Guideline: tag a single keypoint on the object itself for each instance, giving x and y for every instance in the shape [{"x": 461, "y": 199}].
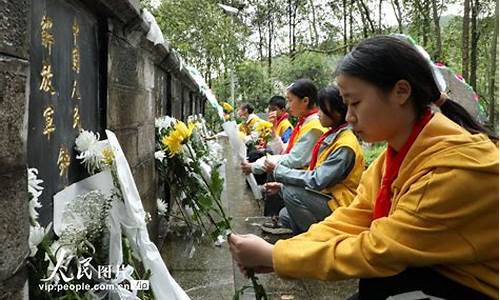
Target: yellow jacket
[
  {"x": 313, "y": 124},
  {"x": 247, "y": 127},
  {"x": 283, "y": 126},
  {"x": 444, "y": 214},
  {"x": 344, "y": 192}
]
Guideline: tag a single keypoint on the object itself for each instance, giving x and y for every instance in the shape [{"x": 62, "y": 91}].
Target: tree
[
  {"x": 380, "y": 16},
  {"x": 254, "y": 84},
  {"x": 270, "y": 33},
  {"x": 314, "y": 25},
  {"x": 203, "y": 34},
  {"x": 344, "y": 15},
  {"x": 398, "y": 12},
  {"x": 492, "y": 69},
  {"x": 465, "y": 40},
  {"x": 473, "y": 45},
  {"x": 437, "y": 29}
]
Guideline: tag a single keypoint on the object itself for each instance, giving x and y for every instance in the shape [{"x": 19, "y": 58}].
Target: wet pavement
[{"x": 207, "y": 272}]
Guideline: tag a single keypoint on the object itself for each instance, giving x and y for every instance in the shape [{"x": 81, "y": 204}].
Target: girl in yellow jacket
[
  {"x": 330, "y": 180},
  {"x": 426, "y": 214}
]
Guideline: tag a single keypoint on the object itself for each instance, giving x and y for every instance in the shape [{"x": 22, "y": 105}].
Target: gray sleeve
[
  {"x": 333, "y": 170},
  {"x": 300, "y": 156}
]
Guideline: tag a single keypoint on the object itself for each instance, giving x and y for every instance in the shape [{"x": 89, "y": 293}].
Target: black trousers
[{"x": 426, "y": 280}]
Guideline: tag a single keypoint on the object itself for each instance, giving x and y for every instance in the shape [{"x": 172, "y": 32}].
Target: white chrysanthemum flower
[
  {"x": 162, "y": 207},
  {"x": 34, "y": 187},
  {"x": 189, "y": 211},
  {"x": 34, "y": 204},
  {"x": 220, "y": 240},
  {"x": 164, "y": 122},
  {"x": 36, "y": 236},
  {"x": 160, "y": 155},
  {"x": 85, "y": 140},
  {"x": 93, "y": 157},
  {"x": 147, "y": 217}
]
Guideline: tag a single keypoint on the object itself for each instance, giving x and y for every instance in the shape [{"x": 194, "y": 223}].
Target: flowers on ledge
[
  {"x": 177, "y": 137},
  {"x": 227, "y": 108},
  {"x": 192, "y": 170},
  {"x": 80, "y": 249}
]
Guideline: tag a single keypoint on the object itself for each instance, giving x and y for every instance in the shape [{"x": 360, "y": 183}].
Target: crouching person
[{"x": 331, "y": 179}]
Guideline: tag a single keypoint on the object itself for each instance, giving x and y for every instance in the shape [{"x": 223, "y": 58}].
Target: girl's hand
[
  {"x": 272, "y": 117},
  {"x": 246, "y": 168},
  {"x": 251, "y": 251},
  {"x": 269, "y": 166},
  {"x": 272, "y": 188}
]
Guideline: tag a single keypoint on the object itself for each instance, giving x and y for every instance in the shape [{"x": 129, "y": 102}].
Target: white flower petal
[
  {"x": 162, "y": 207},
  {"x": 160, "y": 155},
  {"x": 36, "y": 236}
]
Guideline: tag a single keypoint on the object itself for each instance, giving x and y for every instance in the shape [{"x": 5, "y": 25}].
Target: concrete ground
[{"x": 208, "y": 272}]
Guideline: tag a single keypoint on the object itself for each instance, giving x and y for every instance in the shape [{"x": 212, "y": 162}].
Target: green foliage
[
  {"x": 318, "y": 67},
  {"x": 372, "y": 152},
  {"x": 254, "y": 84},
  {"x": 256, "y": 87},
  {"x": 202, "y": 33},
  {"x": 183, "y": 174}
]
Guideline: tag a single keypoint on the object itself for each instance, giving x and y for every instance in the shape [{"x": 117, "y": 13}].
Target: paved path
[{"x": 208, "y": 272}]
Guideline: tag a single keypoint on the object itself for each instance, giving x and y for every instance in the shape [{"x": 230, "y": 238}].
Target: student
[
  {"x": 302, "y": 96},
  {"x": 279, "y": 117},
  {"x": 426, "y": 214},
  {"x": 249, "y": 119},
  {"x": 335, "y": 170}
]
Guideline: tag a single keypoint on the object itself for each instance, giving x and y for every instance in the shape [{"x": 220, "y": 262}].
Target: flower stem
[{"x": 208, "y": 185}]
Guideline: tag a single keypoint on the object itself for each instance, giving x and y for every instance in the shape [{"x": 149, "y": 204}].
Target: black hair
[
  {"x": 384, "y": 60},
  {"x": 330, "y": 101},
  {"x": 305, "y": 88},
  {"x": 278, "y": 101},
  {"x": 248, "y": 107}
]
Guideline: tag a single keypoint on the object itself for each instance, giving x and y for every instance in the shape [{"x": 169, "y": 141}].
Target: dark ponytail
[
  {"x": 458, "y": 114},
  {"x": 304, "y": 88},
  {"x": 330, "y": 101},
  {"x": 384, "y": 60}
]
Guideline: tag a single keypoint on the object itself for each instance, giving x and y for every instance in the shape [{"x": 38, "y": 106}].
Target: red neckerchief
[
  {"x": 281, "y": 118},
  {"x": 314, "y": 157},
  {"x": 393, "y": 162},
  {"x": 296, "y": 129}
]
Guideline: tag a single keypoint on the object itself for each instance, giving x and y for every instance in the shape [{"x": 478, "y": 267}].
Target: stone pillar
[{"x": 14, "y": 70}]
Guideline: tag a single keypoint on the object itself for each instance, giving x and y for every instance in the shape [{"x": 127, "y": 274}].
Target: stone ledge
[{"x": 135, "y": 30}]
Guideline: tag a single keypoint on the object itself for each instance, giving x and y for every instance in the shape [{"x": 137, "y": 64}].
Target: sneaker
[
  {"x": 273, "y": 226},
  {"x": 277, "y": 230},
  {"x": 272, "y": 223}
]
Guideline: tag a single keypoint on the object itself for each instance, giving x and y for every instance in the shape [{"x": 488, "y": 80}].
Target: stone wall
[
  {"x": 138, "y": 81},
  {"x": 143, "y": 81},
  {"x": 14, "y": 70}
]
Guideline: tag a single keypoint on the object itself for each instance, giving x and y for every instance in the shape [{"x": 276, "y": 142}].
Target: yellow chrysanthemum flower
[
  {"x": 193, "y": 124},
  {"x": 184, "y": 131},
  {"x": 228, "y": 108},
  {"x": 264, "y": 129},
  {"x": 108, "y": 155},
  {"x": 172, "y": 143},
  {"x": 181, "y": 133}
]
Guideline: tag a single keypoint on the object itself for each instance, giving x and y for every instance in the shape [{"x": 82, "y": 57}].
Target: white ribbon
[
  {"x": 117, "y": 292},
  {"x": 154, "y": 34},
  {"x": 241, "y": 151},
  {"x": 130, "y": 215}
]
